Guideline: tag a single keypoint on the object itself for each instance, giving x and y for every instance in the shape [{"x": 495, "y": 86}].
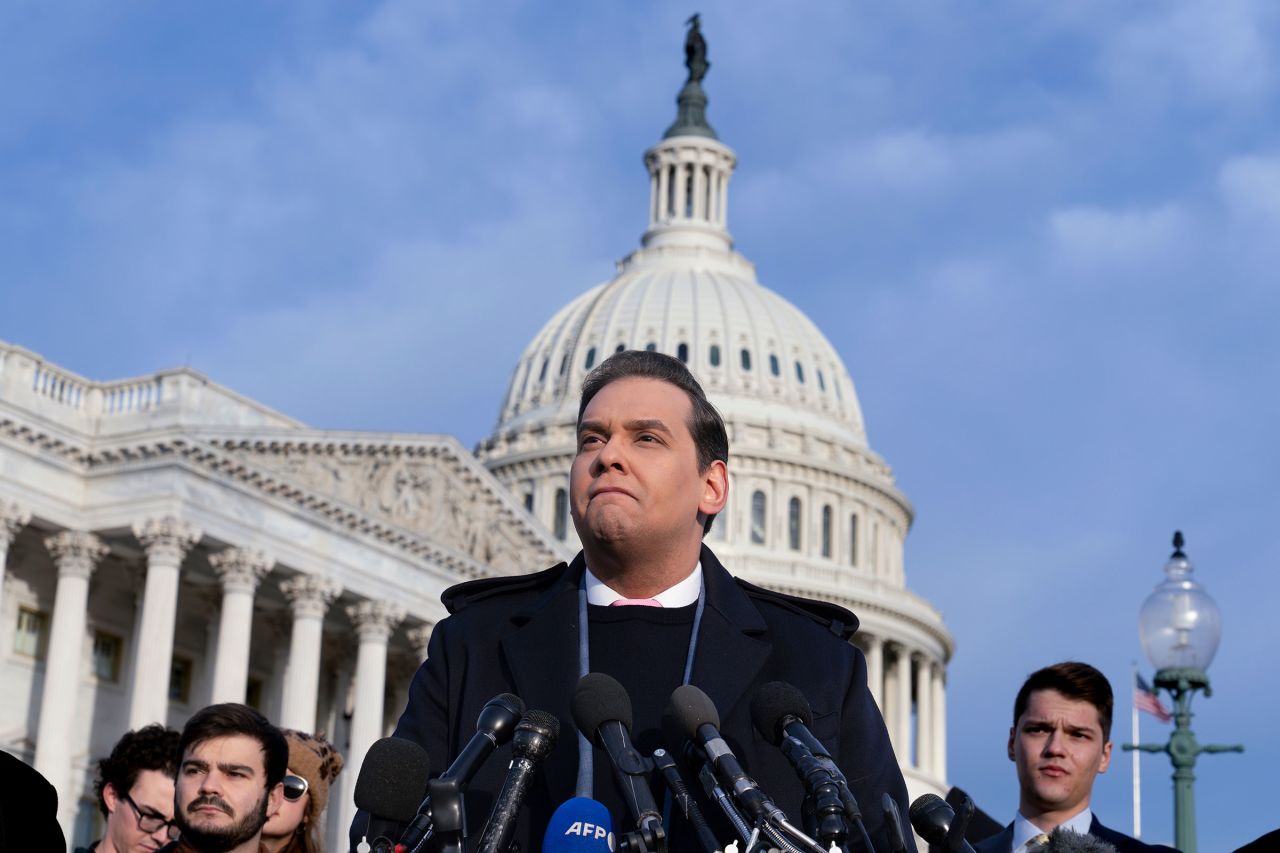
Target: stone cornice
[{"x": 213, "y": 451}]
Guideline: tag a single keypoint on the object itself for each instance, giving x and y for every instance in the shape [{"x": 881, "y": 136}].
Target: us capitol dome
[{"x": 813, "y": 510}]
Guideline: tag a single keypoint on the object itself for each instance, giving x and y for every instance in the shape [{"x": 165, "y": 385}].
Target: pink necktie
[{"x": 636, "y": 602}]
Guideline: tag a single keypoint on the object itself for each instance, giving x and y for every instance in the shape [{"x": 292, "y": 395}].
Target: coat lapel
[{"x": 730, "y": 651}]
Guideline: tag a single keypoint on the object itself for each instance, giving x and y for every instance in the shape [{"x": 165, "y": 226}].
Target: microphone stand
[{"x": 448, "y": 818}]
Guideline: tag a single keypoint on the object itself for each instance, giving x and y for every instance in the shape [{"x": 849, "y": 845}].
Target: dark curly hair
[{"x": 152, "y": 747}]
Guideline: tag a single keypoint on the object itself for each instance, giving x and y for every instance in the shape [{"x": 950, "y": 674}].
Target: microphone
[
  {"x": 579, "y": 825},
  {"x": 893, "y": 824},
  {"x": 535, "y": 737},
  {"x": 683, "y": 800},
  {"x": 602, "y": 711},
  {"x": 934, "y": 821},
  {"x": 781, "y": 715},
  {"x": 442, "y": 809},
  {"x": 392, "y": 777},
  {"x": 694, "y": 711}
]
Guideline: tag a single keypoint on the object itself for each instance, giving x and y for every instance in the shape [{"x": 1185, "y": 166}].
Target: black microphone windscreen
[
  {"x": 1063, "y": 840},
  {"x": 692, "y": 709},
  {"x": 535, "y": 735},
  {"x": 393, "y": 779},
  {"x": 597, "y": 699},
  {"x": 931, "y": 818},
  {"x": 772, "y": 703}
]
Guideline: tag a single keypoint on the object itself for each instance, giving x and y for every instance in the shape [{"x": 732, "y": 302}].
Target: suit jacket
[
  {"x": 1002, "y": 842},
  {"x": 28, "y": 809},
  {"x": 520, "y": 635}
]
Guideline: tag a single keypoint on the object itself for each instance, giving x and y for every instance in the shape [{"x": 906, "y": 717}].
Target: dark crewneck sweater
[{"x": 644, "y": 648}]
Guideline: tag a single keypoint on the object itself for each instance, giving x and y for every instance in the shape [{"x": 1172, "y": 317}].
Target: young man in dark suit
[{"x": 1060, "y": 741}]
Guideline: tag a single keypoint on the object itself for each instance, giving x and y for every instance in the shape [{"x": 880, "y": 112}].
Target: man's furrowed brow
[
  {"x": 652, "y": 424},
  {"x": 229, "y": 767},
  {"x": 195, "y": 764},
  {"x": 590, "y": 426}
]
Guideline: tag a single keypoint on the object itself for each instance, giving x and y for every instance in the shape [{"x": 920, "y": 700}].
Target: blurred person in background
[
  {"x": 297, "y": 827},
  {"x": 135, "y": 792}
]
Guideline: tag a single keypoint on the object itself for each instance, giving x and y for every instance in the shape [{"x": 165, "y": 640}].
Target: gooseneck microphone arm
[{"x": 683, "y": 800}]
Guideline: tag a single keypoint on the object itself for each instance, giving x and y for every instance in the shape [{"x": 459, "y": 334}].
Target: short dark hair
[
  {"x": 232, "y": 718},
  {"x": 710, "y": 439},
  {"x": 152, "y": 747},
  {"x": 1074, "y": 680}
]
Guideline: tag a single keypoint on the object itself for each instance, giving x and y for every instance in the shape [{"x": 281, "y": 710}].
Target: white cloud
[
  {"x": 1250, "y": 189},
  {"x": 1098, "y": 236}
]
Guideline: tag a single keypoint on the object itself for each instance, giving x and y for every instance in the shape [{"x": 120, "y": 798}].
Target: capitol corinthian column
[
  {"x": 167, "y": 541},
  {"x": 76, "y": 555},
  {"x": 374, "y": 621},
  {"x": 240, "y": 570},
  {"x": 12, "y": 519},
  {"x": 939, "y": 722},
  {"x": 924, "y": 714},
  {"x": 875, "y": 669},
  {"x": 420, "y": 638},
  {"x": 901, "y": 728},
  {"x": 309, "y": 596}
]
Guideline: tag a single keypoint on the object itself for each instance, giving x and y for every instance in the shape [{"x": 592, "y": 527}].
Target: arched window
[
  {"x": 853, "y": 539},
  {"x": 715, "y": 355},
  {"x": 746, "y": 359},
  {"x": 793, "y": 524},
  {"x": 562, "y": 514},
  {"x": 800, "y": 373},
  {"x": 591, "y": 359},
  {"x": 619, "y": 348},
  {"x": 682, "y": 353},
  {"x": 528, "y": 501},
  {"x": 651, "y": 347},
  {"x": 757, "y": 518},
  {"x": 542, "y": 374},
  {"x": 826, "y": 531},
  {"x": 564, "y": 364},
  {"x": 774, "y": 367},
  {"x": 822, "y": 386}
]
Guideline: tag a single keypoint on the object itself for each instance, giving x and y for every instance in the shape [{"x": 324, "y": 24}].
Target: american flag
[{"x": 1145, "y": 699}]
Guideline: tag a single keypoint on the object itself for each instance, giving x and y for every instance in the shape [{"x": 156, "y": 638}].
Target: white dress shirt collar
[
  {"x": 681, "y": 595},
  {"x": 1024, "y": 830}
]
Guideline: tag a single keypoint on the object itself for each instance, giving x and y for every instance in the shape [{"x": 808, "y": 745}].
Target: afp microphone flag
[{"x": 580, "y": 825}]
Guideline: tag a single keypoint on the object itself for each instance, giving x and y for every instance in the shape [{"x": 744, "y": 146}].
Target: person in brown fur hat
[{"x": 297, "y": 826}]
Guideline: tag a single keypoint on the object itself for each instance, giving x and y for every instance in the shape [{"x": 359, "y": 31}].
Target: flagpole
[{"x": 1137, "y": 772}]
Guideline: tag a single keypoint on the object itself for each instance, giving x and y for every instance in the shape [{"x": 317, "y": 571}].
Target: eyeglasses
[
  {"x": 294, "y": 787},
  {"x": 151, "y": 822}
]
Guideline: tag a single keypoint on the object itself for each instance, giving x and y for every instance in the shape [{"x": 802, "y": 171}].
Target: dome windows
[
  {"x": 591, "y": 359},
  {"x": 853, "y": 539},
  {"x": 746, "y": 359},
  {"x": 826, "y": 531},
  {"x": 822, "y": 385},
  {"x": 757, "y": 518},
  {"x": 799, "y": 372},
  {"x": 793, "y": 524},
  {"x": 619, "y": 348},
  {"x": 715, "y": 355},
  {"x": 561, "y": 526},
  {"x": 542, "y": 374},
  {"x": 651, "y": 347},
  {"x": 682, "y": 353},
  {"x": 774, "y": 367}
]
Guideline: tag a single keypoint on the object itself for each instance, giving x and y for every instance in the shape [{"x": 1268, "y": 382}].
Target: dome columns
[{"x": 688, "y": 192}]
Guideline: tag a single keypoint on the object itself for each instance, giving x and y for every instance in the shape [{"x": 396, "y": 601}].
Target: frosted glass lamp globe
[{"x": 1179, "y": 623}]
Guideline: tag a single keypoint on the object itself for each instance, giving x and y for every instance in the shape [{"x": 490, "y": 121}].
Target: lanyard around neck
[{"x": 586, "y": 755}]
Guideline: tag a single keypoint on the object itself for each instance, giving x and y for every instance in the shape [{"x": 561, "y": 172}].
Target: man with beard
[{"x": 229, "y": 780}]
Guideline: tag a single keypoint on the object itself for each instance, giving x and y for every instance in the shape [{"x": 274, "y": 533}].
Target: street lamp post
[{"x": 1180, "y": 626}]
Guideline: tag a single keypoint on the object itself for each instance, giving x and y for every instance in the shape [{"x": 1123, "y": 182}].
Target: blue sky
[{"x": 1042, "y": 236}]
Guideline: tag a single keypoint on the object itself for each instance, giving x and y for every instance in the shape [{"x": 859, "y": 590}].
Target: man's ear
[
  {"x": 715, "y": 488},
  {"x": 1012, "y": 733},
  {"x": 1105, "y": 762},
  {"x": 110, "y": 797}
]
